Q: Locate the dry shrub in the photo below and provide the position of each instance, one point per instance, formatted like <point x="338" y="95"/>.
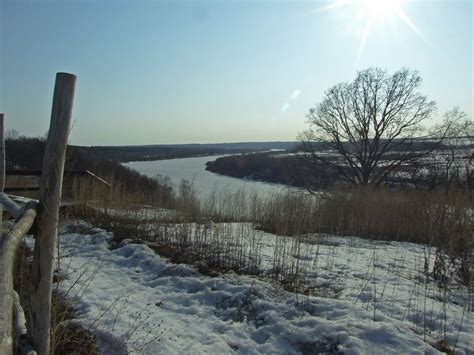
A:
<point x="187" y="202"/>
<point x="289" y="214"/>
<point x="14" y="181"/>
<point x="212" y="247"/>
<point x="440" y="218"/>
<point x="87" y="190"/>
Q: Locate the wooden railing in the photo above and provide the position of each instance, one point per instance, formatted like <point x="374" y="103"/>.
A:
<point x="67" y="174"/>
<point x="12" y="315"/>
<point x="35" y="336"/>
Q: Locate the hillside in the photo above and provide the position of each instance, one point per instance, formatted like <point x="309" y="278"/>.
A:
<point x="367" y="299"/>
<point x="27" y="153"/>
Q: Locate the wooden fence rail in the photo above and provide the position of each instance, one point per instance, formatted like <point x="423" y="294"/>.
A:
<point x="67" y="174"/>
<point x="45" y="214"/>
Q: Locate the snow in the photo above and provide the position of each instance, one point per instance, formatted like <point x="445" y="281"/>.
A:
<point x="136" y="301"/>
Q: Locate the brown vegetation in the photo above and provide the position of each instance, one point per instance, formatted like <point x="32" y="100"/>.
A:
<point x="127" y="185"/>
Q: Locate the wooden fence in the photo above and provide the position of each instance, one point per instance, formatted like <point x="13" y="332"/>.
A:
<point x="28" y="172"/>
<point x="34" y="337"/>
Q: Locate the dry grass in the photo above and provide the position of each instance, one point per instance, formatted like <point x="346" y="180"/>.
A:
<point x="67" y="336"/>
<point x="23" y="181"/>
<point x="440" y="218"/>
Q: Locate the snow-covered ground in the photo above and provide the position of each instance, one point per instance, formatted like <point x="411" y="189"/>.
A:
<point x="137" y="301"/>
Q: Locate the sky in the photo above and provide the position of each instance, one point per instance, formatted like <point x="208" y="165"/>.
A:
<point x="166" y="72"/>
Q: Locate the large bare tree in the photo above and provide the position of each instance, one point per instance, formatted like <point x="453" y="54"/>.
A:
<point x="367" y="128"/>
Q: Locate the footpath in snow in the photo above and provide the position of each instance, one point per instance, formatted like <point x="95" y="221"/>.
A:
<point x="137" y="302"/>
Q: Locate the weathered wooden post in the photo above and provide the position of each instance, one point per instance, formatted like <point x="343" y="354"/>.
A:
<point x="5" y="313"/>
<point x="2" y="156"/>
<point x="2" y="169"/>
<point x="10" y="308"/>
<point x="48" y="214"/>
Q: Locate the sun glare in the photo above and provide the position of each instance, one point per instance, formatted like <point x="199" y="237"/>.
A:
<point x="381" y="8"/>
<point x="372" y="12"/>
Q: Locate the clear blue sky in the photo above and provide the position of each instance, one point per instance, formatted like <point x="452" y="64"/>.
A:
<point x="216" y="71"/>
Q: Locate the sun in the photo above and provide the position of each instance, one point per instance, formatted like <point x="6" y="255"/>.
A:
<point x="373" y="11"/>
<point x="381" y="8"/>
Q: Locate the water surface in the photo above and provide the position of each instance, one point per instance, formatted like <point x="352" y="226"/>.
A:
<point x="204" y="182"/>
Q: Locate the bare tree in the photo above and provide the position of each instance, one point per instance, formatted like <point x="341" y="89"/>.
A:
<point x="368" y="128"/>
<point x="11" y="134"/>
<point x="453" y="163"/>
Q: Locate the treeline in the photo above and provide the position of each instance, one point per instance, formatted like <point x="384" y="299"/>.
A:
<point x="127" y="184"/>
<point x="147" y="153"/>
<point x="274" y="168"/>
<point x="161" y="152"/>
<point x="441" y="168"/>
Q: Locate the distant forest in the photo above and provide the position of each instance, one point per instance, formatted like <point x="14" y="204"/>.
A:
<point x="439" y="168"/>
<point x="161" y="152"/>
<point x="274" y="168"/>
<point x="282" y="167"/>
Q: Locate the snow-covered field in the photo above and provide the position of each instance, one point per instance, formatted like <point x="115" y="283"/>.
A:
<point x="376" y="300"/>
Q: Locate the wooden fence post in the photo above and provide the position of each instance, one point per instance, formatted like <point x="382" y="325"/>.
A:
<point x="10" y="308"/>
<point x="2" y="155"/>
<point x="48" y="214"/>
<point x="2" y="168"/>
<point x="6" y="340"/>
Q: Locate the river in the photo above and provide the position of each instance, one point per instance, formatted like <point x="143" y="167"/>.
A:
<point x="204" y="182"/>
